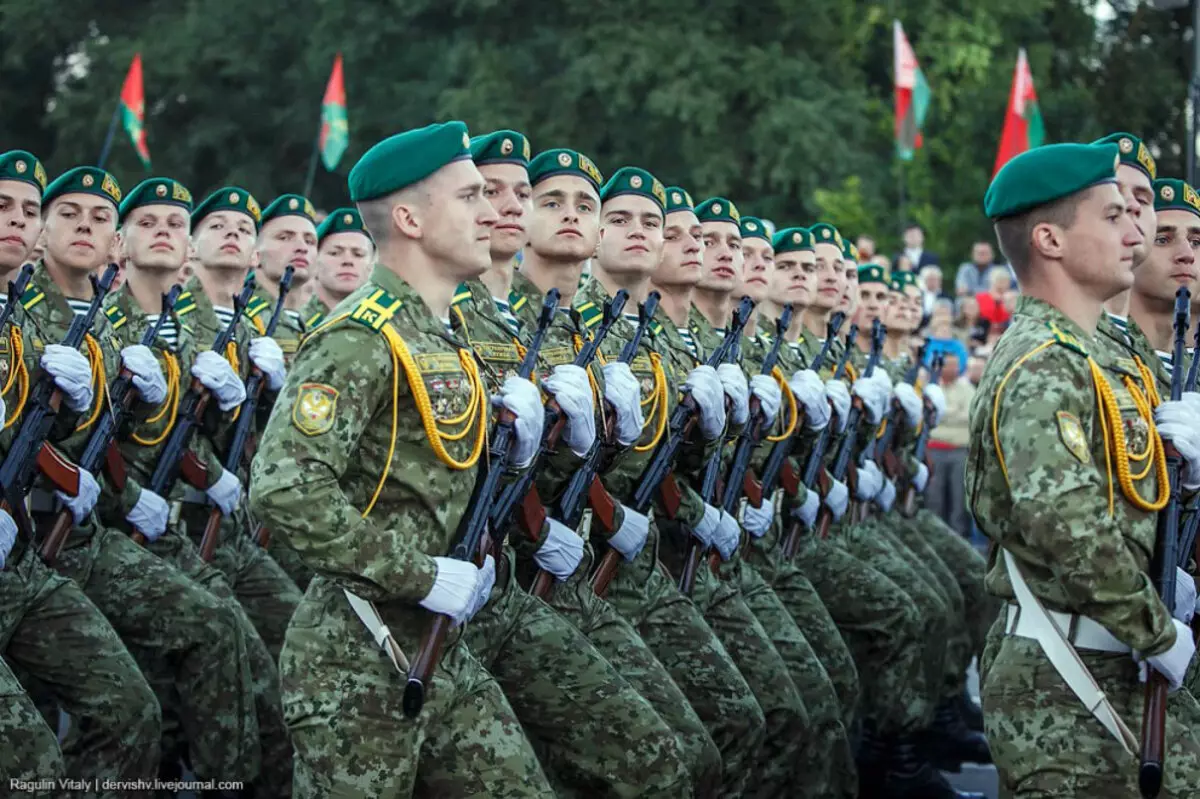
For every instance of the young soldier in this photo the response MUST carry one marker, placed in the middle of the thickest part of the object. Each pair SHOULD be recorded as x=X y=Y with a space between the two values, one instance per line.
x=287 y=237
x=344 y=254
x=1137 y=171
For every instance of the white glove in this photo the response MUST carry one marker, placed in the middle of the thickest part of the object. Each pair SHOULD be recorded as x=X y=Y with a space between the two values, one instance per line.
x=809 y=391
x=561 y=552
x=704 y=386
x=910 y=403
x=870 y=481
x=837 y=499
x=874 y=395
x=8 y=536
x=1177 y=421
x=937 y=398
x=3 y=412
x=807 y=512
x=729 y=533
x=733 y=380
x=523 y=399
x=631 y=537
x=770 y=397
x=149 y=515
x=82 y=503
x=1172 y=664
x=226 y=493
x=454 y=589
x=886 y=496
x=706 y=531
x=215 y=374
x=147 y=374
x=839 y=400
x=757 y=521
x=483 y=590
x=72 y=374
x=624 y=393
x=1185 y=596
x=569 y=385
x=921 y=478
x=268 y=357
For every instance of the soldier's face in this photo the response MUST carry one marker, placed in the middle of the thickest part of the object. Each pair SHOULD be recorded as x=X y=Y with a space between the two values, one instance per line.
x=631 y=235
x=681 y=261
x=156 y=237
x=1097 y=250
x=872 y=300
x=507 y=189
x=80 y=231
x=830 y=277
x=791 y=279
x=758 y=264
x=849 y=301
x=287 y=241
x=343 y=261
x=723 y=257
x=1138 y=193
x=456 y=222
x=224 y=240
x=20 y=222
x=565 y=222
x=1172 y=259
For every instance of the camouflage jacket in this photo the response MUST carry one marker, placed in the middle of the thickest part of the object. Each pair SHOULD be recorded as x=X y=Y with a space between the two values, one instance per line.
x=314 y=312
x=288 y=333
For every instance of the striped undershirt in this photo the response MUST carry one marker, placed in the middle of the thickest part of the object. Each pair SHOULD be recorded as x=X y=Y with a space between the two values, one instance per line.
x=1122 y=324
x=1168 y=360
x=224 y=314
x=505 y=311
x=449 y=326
x=686 y=335
x=294 y=316
x=168 y=332
x=80 y=307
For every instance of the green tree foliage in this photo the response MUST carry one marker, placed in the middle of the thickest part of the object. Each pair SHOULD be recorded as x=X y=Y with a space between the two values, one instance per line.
x=786 y=108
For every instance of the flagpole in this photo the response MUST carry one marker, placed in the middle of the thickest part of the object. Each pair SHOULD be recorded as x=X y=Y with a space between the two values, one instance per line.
x=108 y=137
x=312 y=165
x=903 y=211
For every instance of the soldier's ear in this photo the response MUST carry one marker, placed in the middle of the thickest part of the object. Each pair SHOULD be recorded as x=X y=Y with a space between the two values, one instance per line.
x=407 y=218
x=1048 y=240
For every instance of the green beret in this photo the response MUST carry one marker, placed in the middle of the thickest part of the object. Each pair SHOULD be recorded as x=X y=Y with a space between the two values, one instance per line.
x=872 y=273
x=343 y=220
x=1133 y=152
x=792 y=239
x=718 y=209
x=849 y=250
x=753 y=227
x=23 y=166
x=553 y=163
x=825 y=233
x=156 y=191
x=289 y=205
x=1048 y=173
x=230 y=198
x=1175 y=195
x=84 y=180
x=678 y=200
x=902 y=280
x=404 y=159
x=636 y=181
x=501 y=147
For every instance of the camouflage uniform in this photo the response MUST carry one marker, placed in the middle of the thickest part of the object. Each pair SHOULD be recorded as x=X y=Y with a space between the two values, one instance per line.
x=31 y=750
x=1082 y=550
x=313 y=313
x=323 y=480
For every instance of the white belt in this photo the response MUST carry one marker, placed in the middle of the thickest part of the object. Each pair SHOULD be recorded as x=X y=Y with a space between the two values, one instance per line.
x=1080 y=631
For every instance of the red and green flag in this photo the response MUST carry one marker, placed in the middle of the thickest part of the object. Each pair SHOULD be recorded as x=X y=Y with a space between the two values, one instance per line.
x=912 y=95
x=133 y=109
x=1023 y=129
x=335 y=132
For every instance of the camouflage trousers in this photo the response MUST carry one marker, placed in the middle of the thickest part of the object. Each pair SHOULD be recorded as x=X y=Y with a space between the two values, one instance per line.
x=678 y=635
x=30 y=752
x=289 y=560
x=275 y=745
x=172 y=625
x=1045 y=742
x=50 y=630
x=622 y=647
x=342 y=698
x=594 y=733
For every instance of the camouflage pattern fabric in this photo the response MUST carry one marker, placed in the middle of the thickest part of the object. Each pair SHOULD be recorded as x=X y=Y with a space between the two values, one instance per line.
x=31 y=752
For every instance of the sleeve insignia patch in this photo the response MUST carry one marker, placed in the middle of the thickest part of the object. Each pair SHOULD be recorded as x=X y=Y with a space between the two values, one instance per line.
x=315 y=408
x=1073 y=437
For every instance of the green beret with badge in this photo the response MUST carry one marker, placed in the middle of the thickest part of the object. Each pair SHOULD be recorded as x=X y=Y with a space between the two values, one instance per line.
x=637 y=182
x=343 y=220
x=156 y=191
x=1171 y=194
x=718 y=209
x=753 y=228
x=903 y=280
x=501 y=147
x=289 y=205
x=1048 y=173
x=679 y=200
x=825 y=233
x=1133 y=152
x=792 y=239
x=84 y=180
x=561 y=161
x=849 y=250
x=25 y=167
x=229 y=198
x=872 y=273
x=406 y=158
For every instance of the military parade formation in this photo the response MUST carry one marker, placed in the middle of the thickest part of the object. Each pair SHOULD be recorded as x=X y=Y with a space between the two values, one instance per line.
x=517 y=479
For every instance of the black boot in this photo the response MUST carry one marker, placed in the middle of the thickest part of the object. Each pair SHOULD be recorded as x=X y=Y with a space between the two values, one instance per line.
x=949 y=742
x=871 y=757
x=911 y=776
x=971 y=712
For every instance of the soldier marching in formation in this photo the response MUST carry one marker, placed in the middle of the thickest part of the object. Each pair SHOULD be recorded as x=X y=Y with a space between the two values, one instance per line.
x=639 y=518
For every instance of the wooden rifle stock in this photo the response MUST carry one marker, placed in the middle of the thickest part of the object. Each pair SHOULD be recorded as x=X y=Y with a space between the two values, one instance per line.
x=65 y=477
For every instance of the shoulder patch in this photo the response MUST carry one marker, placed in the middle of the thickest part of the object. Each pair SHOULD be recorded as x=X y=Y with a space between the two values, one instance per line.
x=461 y=294
x=1073 y=438
x=32 y=297
x=590 y=314
x=314 y=320
x=516 y=300
x=185 y=304
x=256 y=306
x=375 y=310
x=655 y=327
x=315 y=407
x=1066 y=339
x=116 y=317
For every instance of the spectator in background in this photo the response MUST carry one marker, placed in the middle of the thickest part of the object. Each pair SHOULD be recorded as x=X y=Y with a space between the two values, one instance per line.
x=948 y=442
x=914 y=248
x=971 y=277
x=866 y=248
x=883 y=261
x=995 y=303
x=941 y=334
x=901 y=264
x=975 y=366
x=930 y=280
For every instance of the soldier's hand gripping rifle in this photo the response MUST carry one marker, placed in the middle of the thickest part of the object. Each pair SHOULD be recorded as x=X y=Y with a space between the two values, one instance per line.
x=471 y=537
x=1154 y=716
x=191 y=411
x=883 y=453
x=909 y=506
x=29 y=453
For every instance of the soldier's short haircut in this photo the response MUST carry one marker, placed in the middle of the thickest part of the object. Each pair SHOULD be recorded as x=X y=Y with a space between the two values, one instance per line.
x=1015 y=233
x=377 y=213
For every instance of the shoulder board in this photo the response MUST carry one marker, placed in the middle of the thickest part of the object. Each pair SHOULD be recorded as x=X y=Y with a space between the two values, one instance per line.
x=256 y=306
x=375 y=310
x=655 y=327
x=116 y=316
x=1066 y=339
x=32 y=297
x=516 y=301
x=590 y=314
x=461 y=294
x=185 y=304
x=314 y=320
